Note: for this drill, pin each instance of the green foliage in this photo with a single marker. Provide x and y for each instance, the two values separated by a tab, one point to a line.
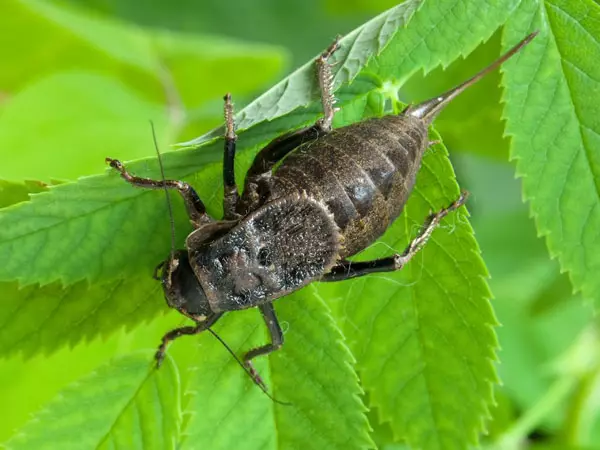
439	363
557	151
121	75
129	405
417	347
318	381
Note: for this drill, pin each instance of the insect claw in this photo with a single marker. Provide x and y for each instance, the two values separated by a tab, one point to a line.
331	49
464	196
159	357
115	164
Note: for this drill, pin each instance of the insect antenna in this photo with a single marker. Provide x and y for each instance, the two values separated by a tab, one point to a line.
169	206
246	369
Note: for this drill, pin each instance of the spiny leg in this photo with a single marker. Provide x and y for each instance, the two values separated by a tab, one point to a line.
348	269
268	312
257	187
183	331
230	194
325	77
280	147
193	204
257	183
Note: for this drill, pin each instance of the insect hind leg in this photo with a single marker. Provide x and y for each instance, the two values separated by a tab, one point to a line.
230	191
349	269
325	76
260	171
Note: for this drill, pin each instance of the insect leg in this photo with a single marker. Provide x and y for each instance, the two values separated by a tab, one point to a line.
268	313
278	148
257	187
325	77
193	204
348	269
230	194
183	331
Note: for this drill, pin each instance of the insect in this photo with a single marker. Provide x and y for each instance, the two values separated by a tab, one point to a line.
311	199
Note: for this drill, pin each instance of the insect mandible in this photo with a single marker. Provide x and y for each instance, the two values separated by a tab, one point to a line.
312	198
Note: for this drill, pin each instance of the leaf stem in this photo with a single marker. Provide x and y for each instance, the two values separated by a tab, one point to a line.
557	393
576	426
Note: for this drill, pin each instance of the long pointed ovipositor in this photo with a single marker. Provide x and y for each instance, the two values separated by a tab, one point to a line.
429	109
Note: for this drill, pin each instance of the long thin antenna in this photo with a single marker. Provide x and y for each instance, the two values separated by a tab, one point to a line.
428	109
263	388
169	206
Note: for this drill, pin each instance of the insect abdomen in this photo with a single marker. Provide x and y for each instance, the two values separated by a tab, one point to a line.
363	172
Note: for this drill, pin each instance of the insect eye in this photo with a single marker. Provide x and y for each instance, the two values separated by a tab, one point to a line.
264	257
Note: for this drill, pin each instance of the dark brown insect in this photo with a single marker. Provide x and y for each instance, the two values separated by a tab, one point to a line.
312	198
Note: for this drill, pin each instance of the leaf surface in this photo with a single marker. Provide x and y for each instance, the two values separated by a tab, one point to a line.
89	86
301	87
37	319
38	36
14	192
552	110
423	338
312	371
123	405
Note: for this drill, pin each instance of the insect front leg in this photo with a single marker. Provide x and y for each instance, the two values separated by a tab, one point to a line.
183	331
193	204
349	269
230	191
268	312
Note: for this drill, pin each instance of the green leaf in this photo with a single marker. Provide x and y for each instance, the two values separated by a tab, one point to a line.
439	33
423	339
43	319
313	371
423	336
12	192
540	317
552	113
301	87
38	319
82	211
38	35
124	404
119	122
91	84
391	53
317	369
